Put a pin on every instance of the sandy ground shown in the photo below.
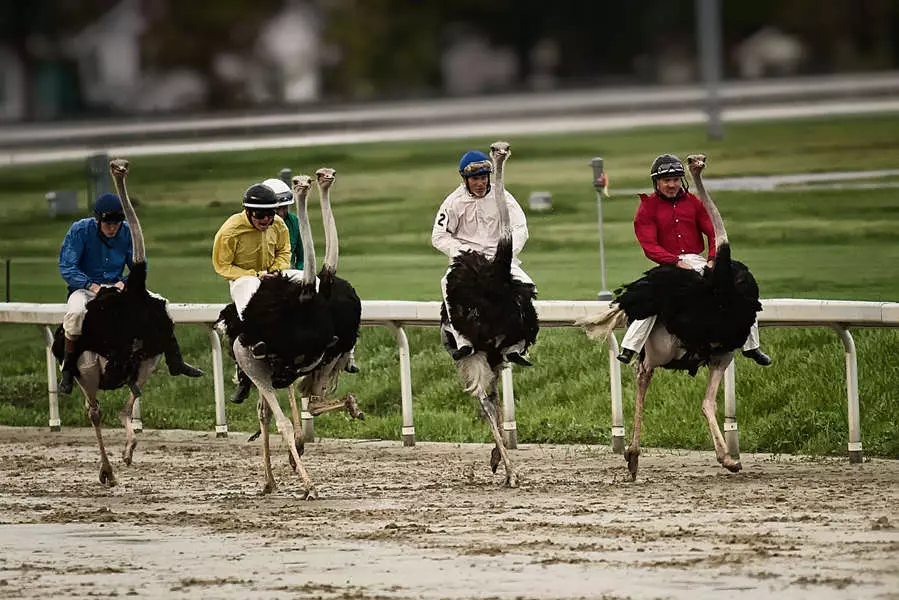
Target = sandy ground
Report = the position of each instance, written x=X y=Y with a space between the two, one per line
x=186 y=520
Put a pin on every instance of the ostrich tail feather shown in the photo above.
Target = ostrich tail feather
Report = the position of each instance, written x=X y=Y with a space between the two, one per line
x=476 y=374
x=601 y=326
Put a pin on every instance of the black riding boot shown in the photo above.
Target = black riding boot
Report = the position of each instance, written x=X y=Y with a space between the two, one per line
x=176 y=363
x=243 y=387
x=69 y=368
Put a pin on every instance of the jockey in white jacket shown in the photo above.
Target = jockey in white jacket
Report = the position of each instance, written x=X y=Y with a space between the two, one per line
x=466 y=221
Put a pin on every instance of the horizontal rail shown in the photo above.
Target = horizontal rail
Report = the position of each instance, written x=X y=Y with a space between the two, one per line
x=394 y=314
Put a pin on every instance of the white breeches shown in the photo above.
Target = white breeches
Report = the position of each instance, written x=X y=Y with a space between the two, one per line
x=518 y=274
x=638 y=331
x=76 y=307
x=243 y=288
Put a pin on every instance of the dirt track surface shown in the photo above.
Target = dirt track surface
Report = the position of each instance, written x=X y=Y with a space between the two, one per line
x=186 y=520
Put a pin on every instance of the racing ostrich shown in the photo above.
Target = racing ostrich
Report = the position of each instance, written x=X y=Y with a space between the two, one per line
x=124 y=336
x=346 y=314
x=294 y=320
x=701 y=320
x=494 y=311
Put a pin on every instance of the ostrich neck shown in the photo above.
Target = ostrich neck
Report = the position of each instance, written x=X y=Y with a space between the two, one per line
x=306 y=238
x=714 y=215
x=139 y=253
x=499 y=196
x=331 y=244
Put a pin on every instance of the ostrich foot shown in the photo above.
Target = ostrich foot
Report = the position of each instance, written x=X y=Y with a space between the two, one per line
x=106 y=476
x=268 y=488
x=632 y=456
x=254 y=437
x=495 y=459
x=352 y=407
x=310 y=493
x=734 y=466
x=128 y=452
x=512 y=479
x=301 y=447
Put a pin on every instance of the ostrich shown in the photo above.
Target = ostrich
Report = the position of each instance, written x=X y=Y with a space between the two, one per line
x=701 y=320
x=294 y=320
x=345 y=308
x=124 y=336
x=494 y=311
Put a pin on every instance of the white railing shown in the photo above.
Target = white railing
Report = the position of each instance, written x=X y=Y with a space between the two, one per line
x=837 y=314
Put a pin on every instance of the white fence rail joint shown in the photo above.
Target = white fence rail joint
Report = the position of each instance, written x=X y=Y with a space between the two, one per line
x=782 y=312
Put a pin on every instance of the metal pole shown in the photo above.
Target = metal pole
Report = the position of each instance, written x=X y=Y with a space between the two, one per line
x=8 y=265
x=855 y=428
x=617 y=406
x=52 y=391
x=708 y=20
x=218 y=384
x=510 y=428
x=405 y=383
x=731 y=433
x=598 y=185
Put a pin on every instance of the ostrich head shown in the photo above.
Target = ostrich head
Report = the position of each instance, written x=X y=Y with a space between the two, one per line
x=118 y=167
x=325 y=177
x=301 y=184
x=696 y=163
x=499 y=152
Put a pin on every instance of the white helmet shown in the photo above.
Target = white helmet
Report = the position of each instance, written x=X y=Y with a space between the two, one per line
x=283 y=195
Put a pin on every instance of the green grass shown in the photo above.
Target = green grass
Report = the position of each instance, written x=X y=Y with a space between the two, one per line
x=799 y=243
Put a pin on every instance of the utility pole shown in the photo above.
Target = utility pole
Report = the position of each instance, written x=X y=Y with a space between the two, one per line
x=708 y=26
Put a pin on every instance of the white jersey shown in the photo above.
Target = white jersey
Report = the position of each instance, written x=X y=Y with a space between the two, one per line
x=468 y=223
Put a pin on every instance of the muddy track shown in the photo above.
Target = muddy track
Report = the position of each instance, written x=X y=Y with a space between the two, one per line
x=433 y=522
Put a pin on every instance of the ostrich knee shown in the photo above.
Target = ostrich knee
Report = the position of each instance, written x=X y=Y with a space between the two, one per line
x=94 y=414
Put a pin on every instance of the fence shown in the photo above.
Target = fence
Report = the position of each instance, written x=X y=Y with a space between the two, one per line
x=396 y=315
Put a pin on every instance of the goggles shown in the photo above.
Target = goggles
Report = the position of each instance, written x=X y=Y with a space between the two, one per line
x=111 y=217
x=481 y=167
x=262 y=213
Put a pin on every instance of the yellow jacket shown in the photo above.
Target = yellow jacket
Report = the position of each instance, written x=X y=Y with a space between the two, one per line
x=240 y=249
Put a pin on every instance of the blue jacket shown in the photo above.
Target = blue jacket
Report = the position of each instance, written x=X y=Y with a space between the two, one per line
x=88 y=257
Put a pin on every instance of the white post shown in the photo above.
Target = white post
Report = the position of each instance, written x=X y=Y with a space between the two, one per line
x=218 y=384
x=52 y=385
x=510 y=428
x=136 y=423
x=855 y=431
x=617 y=407
x=405 y=383
x=307 y=421
x=731 y=433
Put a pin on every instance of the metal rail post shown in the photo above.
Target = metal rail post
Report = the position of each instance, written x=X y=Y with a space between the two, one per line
x=52 y=391
x=218 y=384
x=405 y=383
x=617 y=406
x=510 y=428
x=731 y=433
x=855 y=431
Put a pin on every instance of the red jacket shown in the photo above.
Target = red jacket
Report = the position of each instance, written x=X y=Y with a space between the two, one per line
x=667 y=228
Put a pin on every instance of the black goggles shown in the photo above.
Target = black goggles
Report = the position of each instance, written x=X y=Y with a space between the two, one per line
x=112 y=217
x=262 y=213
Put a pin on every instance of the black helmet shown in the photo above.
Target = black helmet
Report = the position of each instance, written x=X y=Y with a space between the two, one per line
x=260 y=195
x=666 y=165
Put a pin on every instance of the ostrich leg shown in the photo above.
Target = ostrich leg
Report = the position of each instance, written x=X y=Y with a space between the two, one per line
x=494 y=398
x=489 y=410
x=632 y=452
x=297 y=426
x=146 y=369
x=287 y=432
x=709 y=406
x=265 y=416
x=107 y=477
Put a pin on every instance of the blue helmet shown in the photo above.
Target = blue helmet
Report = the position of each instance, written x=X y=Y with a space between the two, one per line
x=475 y=162
x=108 y=208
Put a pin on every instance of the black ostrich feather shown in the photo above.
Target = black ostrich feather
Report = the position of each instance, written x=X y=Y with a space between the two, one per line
x=487 y=305
x=345 y=309
x=709 y=313
x=292 y=319
x=124 y=327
